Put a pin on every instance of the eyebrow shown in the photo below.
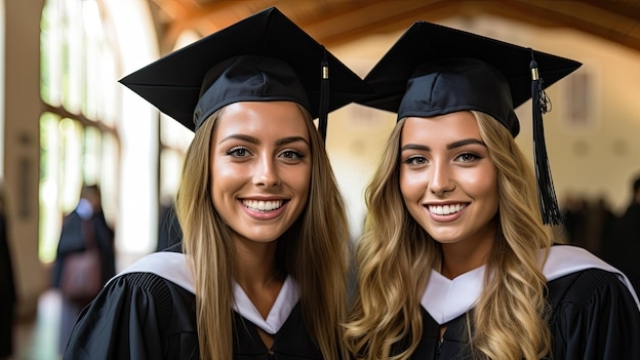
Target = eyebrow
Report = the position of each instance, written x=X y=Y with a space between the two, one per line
x=415 y=147
x=247 y=138
x=256 y=141
x=291 y=139
x=464 y=142
x=450 y=146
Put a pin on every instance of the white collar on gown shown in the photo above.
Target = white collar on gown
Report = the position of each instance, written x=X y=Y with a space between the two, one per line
x=173 y=267
x=446 y=299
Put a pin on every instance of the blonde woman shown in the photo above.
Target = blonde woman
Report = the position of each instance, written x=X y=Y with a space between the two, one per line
x=455 y=261
x=261 y=269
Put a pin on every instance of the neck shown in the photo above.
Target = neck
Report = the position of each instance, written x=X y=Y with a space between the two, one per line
x=257 y=273
x=462 y=257
x=256 y=263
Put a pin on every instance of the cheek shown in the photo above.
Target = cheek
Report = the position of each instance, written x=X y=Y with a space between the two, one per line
x=496 y=194
x=230 y=175
x=486 y=185
x=222 y=179
x=302 y=182
x=225 y=172
x=411 y=183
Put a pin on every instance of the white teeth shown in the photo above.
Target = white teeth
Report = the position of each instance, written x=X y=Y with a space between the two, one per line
x=262 y=205
x=446 y=209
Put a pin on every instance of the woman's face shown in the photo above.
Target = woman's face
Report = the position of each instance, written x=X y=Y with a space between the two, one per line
x=260 y=168
x=447 y=180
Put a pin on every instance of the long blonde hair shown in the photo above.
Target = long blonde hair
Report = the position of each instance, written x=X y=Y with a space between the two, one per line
x=395 y=256
x=313 y=251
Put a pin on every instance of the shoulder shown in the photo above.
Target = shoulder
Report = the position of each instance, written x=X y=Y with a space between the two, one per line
x=591 y=298
x=574 y=273
x=140 y=281
x=136 y=315
x=161 y=276
x=70 y=221
x=593 y=314
x=581 y=287
x=72 y=216
x=168 y=265
x=151 y=287
x=161 y=280
x=143 y=296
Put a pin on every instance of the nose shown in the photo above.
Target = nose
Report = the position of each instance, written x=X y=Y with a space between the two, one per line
x=266 y=173
x=441 y=181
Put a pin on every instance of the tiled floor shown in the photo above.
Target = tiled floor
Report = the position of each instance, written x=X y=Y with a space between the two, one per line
x=38 y=340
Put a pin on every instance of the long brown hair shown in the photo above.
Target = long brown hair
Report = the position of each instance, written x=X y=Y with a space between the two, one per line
x=395 y=256
x=313 y=250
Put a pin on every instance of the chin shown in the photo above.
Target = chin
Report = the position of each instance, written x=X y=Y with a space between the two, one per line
x=263 y=238
x=445 y=239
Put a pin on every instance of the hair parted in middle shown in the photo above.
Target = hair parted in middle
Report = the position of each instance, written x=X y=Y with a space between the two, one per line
x=395 y=256
x=313 y=250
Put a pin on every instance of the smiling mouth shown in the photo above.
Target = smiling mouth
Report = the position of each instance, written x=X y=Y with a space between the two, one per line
x=446 y=209
x=264 y=206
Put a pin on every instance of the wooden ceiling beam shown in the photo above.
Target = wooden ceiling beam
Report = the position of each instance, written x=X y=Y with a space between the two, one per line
x=173 y=9
x=580 y=16
x=606 y=20
x=334 y=22
x=211 y=17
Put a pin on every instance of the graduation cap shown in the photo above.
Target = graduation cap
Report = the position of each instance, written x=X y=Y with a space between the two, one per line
x=265 y=57
x=435 y=70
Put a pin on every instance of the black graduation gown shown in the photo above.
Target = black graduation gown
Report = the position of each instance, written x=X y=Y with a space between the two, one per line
x=144 y=316
x=621 y=250
x=593 y=316
x=7 y=292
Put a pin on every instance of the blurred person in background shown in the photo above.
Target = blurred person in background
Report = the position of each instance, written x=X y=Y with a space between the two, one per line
x=623 y=248
x=7 y=285
x=601 y=225
x=169 y=231
x=574 y=219
x=83 y=228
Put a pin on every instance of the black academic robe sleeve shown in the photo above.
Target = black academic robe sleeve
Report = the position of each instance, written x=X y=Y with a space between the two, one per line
x=594 y=317
x=136 y=316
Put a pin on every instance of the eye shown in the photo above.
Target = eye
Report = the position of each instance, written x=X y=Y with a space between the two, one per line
x=415 y=160
x=238 y=151
x=291 y=155
x=468 y=157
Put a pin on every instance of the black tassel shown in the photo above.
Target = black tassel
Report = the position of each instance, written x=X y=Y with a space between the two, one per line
x=324 y=97
x=546 y=193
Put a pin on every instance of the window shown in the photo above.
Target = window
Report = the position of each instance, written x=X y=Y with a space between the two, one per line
x=79 y=143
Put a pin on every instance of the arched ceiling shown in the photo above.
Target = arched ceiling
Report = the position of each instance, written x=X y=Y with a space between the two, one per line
x=333 y=22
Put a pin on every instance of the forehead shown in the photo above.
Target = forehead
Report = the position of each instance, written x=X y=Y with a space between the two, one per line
x=443 y=128
x=277 y=119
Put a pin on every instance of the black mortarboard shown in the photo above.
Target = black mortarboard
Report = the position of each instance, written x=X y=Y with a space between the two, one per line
x=265 y=57
x=435 y=70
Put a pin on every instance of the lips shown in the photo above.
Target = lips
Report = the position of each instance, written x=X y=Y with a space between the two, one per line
x=263 y=205
x=446 y=209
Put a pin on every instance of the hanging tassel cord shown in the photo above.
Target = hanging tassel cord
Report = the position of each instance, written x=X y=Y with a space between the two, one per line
x=549 y=208
x=324 y=97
